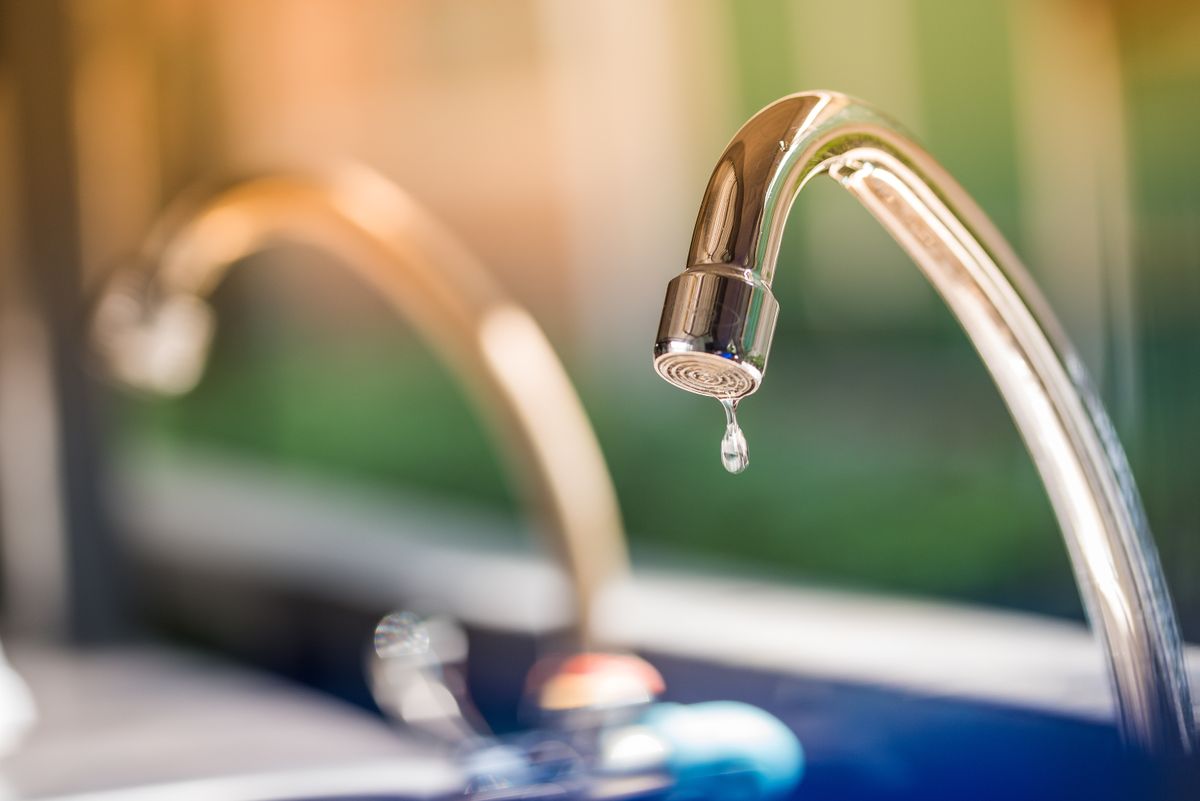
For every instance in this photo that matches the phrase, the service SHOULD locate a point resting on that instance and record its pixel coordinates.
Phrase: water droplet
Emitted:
(735, 456)
(401, 634)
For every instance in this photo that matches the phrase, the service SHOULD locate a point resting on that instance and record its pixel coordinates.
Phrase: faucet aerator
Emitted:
(715, 332)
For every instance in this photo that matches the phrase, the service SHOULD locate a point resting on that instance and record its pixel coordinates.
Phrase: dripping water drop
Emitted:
(734, 453)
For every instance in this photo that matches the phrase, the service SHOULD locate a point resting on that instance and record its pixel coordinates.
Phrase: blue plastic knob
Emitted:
(728, 750)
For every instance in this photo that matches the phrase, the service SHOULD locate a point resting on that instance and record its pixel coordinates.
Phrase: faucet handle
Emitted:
(416, 676)
(591, 689)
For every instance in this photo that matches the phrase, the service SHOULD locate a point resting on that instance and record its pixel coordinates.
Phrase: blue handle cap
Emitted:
(727, 749)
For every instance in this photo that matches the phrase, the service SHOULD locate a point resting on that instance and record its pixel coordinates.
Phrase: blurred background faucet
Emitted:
(153, 326)
(719, 317)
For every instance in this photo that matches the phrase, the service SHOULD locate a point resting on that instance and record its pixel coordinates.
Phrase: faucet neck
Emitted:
(777, 152)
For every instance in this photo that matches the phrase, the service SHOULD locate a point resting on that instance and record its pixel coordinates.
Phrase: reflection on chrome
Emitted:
(152, 328)
(719, 317)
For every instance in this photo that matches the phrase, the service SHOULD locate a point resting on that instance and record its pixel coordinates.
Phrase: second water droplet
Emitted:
(735, 456)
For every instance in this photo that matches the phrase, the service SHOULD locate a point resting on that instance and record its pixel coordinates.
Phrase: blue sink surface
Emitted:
(881, 744)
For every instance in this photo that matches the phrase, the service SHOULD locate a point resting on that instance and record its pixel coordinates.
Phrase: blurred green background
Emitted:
(881, 456)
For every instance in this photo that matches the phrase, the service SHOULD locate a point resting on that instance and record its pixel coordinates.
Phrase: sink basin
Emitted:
(401, 779)
(864, 742)
(145, 723)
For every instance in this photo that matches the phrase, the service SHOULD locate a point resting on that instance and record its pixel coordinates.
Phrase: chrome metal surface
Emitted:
(715, 332)
(152, 327)
(1044, 384)
(416, 674)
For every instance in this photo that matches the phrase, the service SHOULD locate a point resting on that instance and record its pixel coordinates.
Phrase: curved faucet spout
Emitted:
(719, 316)
(152, 328)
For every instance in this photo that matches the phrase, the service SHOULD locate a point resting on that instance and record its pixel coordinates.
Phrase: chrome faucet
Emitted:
(152, 328)
(719, 316)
